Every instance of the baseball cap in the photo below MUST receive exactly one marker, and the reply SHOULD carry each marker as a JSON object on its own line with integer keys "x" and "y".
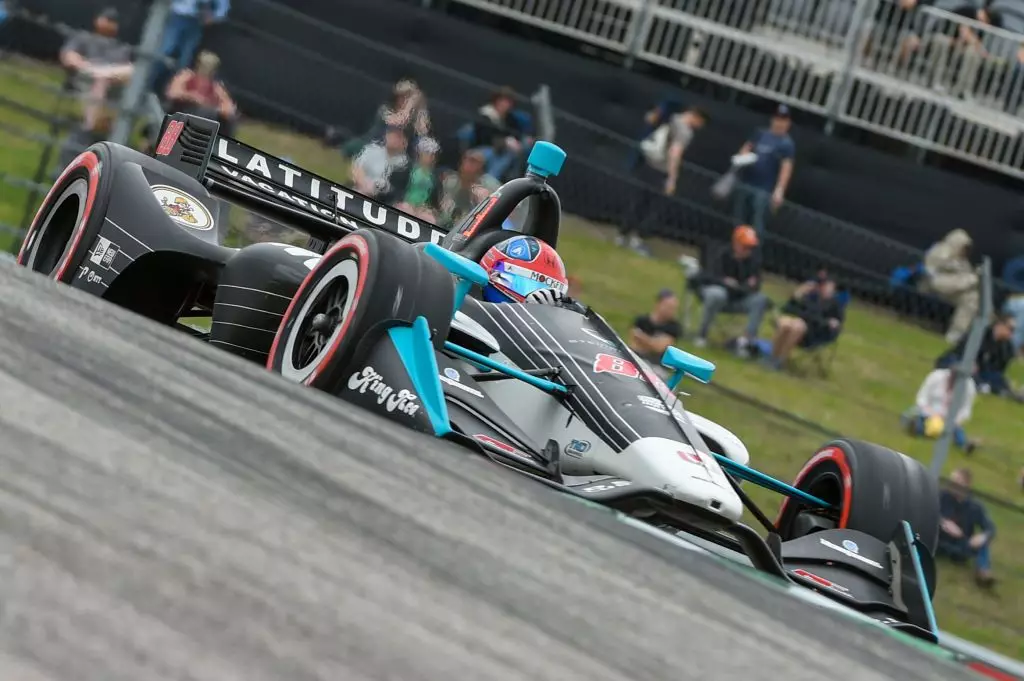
{"x": 782, "y": 111}
{"x": 665, "y": 293}
{"x": 745, "y": 235}
{"x": 110, "y": 14}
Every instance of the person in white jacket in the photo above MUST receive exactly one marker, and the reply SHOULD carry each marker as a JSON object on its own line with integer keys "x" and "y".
{"x": 927, "y": 416}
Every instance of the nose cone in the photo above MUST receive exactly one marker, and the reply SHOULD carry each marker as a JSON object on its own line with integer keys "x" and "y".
{"x": 677, "y": 469}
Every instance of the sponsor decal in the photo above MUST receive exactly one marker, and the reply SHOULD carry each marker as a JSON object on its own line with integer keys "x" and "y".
{"x": 90, "y": 276}
{"x": 170, "y": 138}
{"x": 454, "y": 382}
{"x": 104, "y": 253}
{"x": 451, "y": 373}
{"x": 522, "y": 249}
{"x": 851, "y": 554}
{"x": 314, "y": 194}
{"x": 577, "y": 448}
{"x": 311, "y": 258}
{"x": 183, "y": 208}
{"x": 654, "y": 404}
{"x": 610, "y": 364}
{"x": 821, "y": 581}
{"x": 369, "y": 381}
{"x": 851, "y": 546}
{"x": 607, "y": 486}
{"x": 499, "y": 445}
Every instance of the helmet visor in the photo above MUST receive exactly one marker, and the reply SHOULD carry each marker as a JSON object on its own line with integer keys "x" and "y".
{"x": 521, "y": 281}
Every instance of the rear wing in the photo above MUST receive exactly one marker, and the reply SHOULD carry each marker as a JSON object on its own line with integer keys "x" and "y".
{"x": 276, "y": 188}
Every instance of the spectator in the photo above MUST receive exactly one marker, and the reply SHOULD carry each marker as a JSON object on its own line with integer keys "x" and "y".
{"x": 98, "y": 62}
{"x": 1014, "y": 308}
{"x": 652, "y": 333}
{"x": 994, "y": 357}
{"x": 654, "y": 119}
{"x": 813, "y": 316}
{"x": 949, "y": 274}
{"x": 464, "y": 188}
{"x": 733, "y": 284}
{"x": 500, "y": 133}
{"x": 184, "y": 33}
{"x": 897, "y": 24}
{"x": 663, "y": 152}
{"x": 965, "y": 529}
{"x": 407, "y": 109}
{"x": 201, "y": 93}
{"x": 963, "y": 50}
{"x": 422, "y": 196}
{"x": 381, "y": 169}
{"x": 928, "y": 415}
{"x": 765, "y": 181}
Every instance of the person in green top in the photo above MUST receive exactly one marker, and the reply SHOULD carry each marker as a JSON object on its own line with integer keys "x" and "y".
{"x": 422, "y": 196}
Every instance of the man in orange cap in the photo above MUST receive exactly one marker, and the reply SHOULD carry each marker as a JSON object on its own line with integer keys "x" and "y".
{"x": 734, "y": 285}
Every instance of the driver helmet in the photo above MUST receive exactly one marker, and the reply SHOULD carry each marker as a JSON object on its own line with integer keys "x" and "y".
{"x": 520, "y": 266}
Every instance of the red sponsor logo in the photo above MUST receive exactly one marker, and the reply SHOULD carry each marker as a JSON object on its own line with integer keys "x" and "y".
{"x": 820, "y": 581}
{"x": 498, "y": 444}
{"x": 691, "y": 456}
{"x": 610, "y": 364}
{"x": 170, "y": 138}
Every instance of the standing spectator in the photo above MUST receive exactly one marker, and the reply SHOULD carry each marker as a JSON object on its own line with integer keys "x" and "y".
{"x": 422, "y": 196}
{"x": 407, "y": 109}
{"x": 949, "y": 274}
{"x": 663, "y": 152}
{"x": 500, "y": 132}
{"x": 812, "y": 317}
{"x": 652, "y": 333}
{"x": 464, "y": 188}
{"x": 734, "y": 285}
{"x": 965, "y": 529}
{"x": 201, "y": 93}
{"x": 381, "y": 169}
{"x": 765, "y": 181}
{"x": 1014, "y": 309}
{"x": 654, "y": 119}
{"x": 184, "y": 32}
{"x": 98, "y": 62}
{"x": 928, "y": 415}
{"x": 994, "y": 357}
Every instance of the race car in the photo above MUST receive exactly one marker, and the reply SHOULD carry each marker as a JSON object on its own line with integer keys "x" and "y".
{"x": 381, "y": 310}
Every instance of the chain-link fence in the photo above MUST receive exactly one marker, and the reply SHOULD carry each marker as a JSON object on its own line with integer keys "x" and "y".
{"x": 859, "y": 384}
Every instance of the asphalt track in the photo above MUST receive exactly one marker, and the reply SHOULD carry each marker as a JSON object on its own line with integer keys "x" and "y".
{"x": 170, "y": 512}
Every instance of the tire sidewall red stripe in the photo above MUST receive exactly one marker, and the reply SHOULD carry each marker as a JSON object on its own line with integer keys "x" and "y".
{"x": 837, "y": 456}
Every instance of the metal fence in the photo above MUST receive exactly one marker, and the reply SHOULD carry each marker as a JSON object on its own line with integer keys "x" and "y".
{"x": 40, "y": 116}
{"x": 940, "y": 81}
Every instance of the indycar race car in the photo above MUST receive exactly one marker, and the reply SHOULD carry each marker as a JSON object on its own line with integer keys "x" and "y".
{"x": 380, "y": 309}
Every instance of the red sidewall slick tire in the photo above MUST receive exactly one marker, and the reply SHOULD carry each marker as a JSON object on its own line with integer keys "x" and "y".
{"x": 69, "y": 218}
{"x": 365, "y": 279}
{"x": 874, "y": 488}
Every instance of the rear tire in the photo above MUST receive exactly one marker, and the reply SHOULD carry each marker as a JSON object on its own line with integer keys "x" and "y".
{"x": 363, "y": 282}
{"x": 70, "y": 217}
{"x": 874, "y": 488}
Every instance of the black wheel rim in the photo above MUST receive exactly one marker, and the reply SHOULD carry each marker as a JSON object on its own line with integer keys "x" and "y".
{"x": 54, "y": 235}
{"x": 323, "y": 318}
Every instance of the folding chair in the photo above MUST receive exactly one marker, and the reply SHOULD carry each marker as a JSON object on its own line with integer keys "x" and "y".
{"x": 823, "y": 354}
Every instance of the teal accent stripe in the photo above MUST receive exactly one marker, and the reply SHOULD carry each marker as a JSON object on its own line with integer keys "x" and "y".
{"x": 933, "y": 623}
{"x": 417, "y": 354}
{"x": 768, "y": 482}
{"x": 477, "y": 358}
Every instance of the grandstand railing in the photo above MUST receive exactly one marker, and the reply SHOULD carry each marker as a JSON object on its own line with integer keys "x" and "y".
{"x": 934, "y": 79}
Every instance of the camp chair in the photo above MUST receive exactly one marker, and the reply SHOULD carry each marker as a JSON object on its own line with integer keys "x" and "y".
{"x": 822, "y": 355}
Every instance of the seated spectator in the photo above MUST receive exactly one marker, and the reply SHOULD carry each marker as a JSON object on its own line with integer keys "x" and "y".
{"x": 407, "y": 109}
{"x": 928, "y": 415}
{"x": 965, "y": 529}
{"x": 183, "y": 34}
{"x": 994, "y": 357}
{"x": 949, "y": 274}
{"x": 652, "y": 333}
{"x": 812, "y": 317}
{"x": 200, "y": 93}
{"x": 97, "y": 62}
{"x": 422, "y": 196}
{"x": 502, "y": 133}
{"x": 464, "y": 188}
{"x": 1014, "y": 308}
{"x": 381, "y": 169}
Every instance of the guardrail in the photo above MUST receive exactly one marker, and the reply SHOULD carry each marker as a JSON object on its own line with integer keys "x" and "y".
{"x": 940, "y": 81}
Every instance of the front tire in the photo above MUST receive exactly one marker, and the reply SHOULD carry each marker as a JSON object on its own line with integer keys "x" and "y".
{"x": 872, "y": 488}
{"x": 365, "y": 282}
